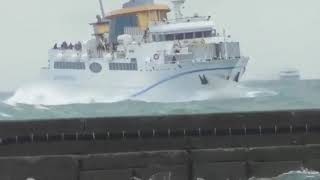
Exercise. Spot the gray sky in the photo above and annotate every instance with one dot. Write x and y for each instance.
(276, 34)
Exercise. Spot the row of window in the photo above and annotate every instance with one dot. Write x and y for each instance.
(95, 67)
(182, 36)
(123, 66)
(70, 65)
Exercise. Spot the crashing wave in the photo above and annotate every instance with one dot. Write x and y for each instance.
(50, 94)
(5, 115)
(54, 94)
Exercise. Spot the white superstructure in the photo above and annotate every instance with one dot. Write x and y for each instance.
(153, 55)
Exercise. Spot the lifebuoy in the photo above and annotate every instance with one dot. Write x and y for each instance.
(95, 67)
(156, 56)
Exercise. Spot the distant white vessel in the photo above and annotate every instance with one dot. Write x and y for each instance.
(137, 51)
(290, 74)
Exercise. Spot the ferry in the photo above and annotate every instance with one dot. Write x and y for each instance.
(138, 51)
(290, 74)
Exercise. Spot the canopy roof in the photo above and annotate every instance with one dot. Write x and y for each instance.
(183, 27)
(132, 10)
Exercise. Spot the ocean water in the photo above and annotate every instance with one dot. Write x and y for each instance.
(43, 101)
(295, 175)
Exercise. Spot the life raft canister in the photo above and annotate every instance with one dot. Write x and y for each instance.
(156, 56)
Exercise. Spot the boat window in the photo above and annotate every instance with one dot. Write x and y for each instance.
(199, 34)
(162, 37)
(123, 66)
(133, 60)
(179, 36)
(169, 37)
(189, 35)
(69, 65)
(214, 33)
(208, 34)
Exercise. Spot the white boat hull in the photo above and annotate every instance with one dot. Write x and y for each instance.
(178, 80)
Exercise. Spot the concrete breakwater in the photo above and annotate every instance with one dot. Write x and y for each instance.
(211, 146)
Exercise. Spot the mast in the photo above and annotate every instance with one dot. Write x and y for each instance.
(102, 9)
(226, 53)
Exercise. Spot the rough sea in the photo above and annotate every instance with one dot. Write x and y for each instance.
(44, 101)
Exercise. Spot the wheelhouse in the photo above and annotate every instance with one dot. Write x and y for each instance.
(182, 31)
(183, 36)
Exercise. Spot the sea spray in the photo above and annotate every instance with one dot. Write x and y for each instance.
(50, 94)
(63, 102)
(53, 94)
(303, 174)
(5, 115)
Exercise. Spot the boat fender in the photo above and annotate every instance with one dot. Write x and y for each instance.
(156, 56)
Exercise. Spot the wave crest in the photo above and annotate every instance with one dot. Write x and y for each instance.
(303, 174)
(51, 94)
(55, 94)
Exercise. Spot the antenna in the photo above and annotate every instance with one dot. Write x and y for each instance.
(102, 9)
(177, 4)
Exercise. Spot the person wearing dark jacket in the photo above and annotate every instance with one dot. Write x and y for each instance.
(64, 45)
(78, 46)
(70, 46)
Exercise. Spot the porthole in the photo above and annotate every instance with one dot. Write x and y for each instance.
(95, 67)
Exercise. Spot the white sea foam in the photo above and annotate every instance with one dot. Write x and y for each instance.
(41, 107)
(260, 93)
(231, 91)
(5, 115)
(236, 91)
(303, 174)
(48, 94)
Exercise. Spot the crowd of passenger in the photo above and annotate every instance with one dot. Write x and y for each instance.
(70, 46)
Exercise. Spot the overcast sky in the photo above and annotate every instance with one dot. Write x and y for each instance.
(276, 34)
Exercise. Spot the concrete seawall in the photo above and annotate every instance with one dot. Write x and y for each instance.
(212, 146)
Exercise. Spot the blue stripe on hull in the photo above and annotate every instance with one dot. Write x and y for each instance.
(177, 76)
